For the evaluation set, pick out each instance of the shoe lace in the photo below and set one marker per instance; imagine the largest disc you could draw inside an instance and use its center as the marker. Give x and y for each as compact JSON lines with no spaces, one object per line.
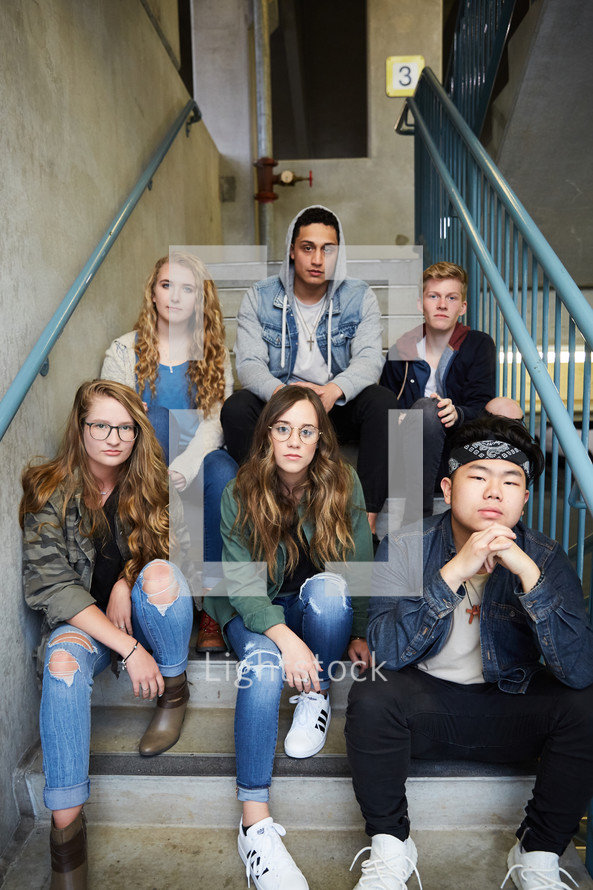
{"x":546,"y":877}
{"x":379,"y":868}
{"x":268,"y":853}
{"x":307,"y":706}
{"x":208,"y":625}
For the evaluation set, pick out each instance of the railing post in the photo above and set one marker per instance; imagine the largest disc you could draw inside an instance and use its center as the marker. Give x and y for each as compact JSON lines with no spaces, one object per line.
{"x":473,"y":271}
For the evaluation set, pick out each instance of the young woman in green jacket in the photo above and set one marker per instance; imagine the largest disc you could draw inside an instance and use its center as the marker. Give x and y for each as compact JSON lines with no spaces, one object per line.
{"x":292,"y":521}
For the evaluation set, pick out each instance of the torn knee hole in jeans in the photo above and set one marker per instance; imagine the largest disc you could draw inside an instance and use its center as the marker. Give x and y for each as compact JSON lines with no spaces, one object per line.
{"x":63,"y":666}
{"x":160,"y":585}
{"x":252,"y":663}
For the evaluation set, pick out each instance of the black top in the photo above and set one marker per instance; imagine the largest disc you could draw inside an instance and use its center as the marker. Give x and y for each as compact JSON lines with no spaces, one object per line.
{"x":304,"y":568}
{"x":108,"y":560}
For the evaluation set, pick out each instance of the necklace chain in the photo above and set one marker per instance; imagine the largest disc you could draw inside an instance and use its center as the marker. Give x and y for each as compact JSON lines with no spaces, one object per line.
{"x":311,"y":332}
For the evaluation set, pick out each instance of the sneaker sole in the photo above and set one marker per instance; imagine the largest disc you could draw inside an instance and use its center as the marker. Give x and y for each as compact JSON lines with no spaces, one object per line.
{"x":316,"y":750}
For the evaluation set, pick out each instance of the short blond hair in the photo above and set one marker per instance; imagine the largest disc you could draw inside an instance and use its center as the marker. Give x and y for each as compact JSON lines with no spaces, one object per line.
{"x":444,"y":270}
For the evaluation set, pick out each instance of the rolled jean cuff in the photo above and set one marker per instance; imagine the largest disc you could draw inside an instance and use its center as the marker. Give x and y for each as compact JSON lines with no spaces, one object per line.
{"x":173,"y":670}
{"x":64,"y":798}
{"x":261,"y":795}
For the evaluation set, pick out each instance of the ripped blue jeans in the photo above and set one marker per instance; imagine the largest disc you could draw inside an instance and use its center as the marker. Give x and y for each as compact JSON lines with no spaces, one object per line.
{"x":321,"y":615}
{"x":65,"y":716}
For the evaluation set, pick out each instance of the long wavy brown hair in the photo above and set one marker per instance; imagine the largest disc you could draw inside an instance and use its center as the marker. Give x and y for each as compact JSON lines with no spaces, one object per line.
{"x":267,"y":514}
{"x":143,"y":505}
{"x":205,"y":376}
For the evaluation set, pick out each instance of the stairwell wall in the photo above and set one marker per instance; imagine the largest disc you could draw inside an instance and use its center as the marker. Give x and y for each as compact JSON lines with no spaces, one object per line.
{"x":88,"y":91}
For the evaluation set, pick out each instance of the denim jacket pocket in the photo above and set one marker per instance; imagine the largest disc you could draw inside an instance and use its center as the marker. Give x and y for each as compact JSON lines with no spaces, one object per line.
{"x":271,"y":335}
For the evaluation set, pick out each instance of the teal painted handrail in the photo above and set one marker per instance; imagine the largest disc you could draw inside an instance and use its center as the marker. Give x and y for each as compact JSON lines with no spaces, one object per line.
{"x":481,"y":32}
{"x":569,"y":438}
{"x":34,"y":362}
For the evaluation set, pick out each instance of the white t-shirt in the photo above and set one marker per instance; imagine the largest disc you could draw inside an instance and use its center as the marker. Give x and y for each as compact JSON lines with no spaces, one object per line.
{"x":460,"y":659}
{"x":431,"y":383}
{"x":310,"y":364}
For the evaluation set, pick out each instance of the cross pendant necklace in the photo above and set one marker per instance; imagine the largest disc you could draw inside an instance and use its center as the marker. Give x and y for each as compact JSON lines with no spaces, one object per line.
{"x":474,"y":610}
{"x":311,"y":331}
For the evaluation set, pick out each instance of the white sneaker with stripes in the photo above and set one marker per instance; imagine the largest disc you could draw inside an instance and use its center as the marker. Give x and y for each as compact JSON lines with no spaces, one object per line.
{"x":268,"y":864}
{"x":310,"y":723}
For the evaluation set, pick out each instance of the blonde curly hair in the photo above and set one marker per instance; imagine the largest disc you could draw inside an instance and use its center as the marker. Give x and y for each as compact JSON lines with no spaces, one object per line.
{"x":206,"y":376}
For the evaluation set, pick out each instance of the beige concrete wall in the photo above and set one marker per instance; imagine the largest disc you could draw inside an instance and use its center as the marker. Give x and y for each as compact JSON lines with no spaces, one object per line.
{"x":87,"y":93}
{"x":373,"y":196}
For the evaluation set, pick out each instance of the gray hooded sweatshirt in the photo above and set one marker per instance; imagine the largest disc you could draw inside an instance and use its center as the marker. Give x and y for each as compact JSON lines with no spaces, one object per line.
{"x":348,"y":333}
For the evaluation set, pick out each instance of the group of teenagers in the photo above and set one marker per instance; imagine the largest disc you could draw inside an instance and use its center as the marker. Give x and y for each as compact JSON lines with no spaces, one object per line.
{"x":467,"y":629}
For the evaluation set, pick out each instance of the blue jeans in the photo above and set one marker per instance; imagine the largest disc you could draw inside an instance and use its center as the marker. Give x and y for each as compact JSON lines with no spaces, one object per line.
{"x":65,"y":716}
{"x":321,"y":615}
{"x":201,"y":499}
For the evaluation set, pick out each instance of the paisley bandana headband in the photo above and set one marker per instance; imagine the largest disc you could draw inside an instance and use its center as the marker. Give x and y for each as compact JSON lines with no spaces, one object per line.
{"x":489,"y":449}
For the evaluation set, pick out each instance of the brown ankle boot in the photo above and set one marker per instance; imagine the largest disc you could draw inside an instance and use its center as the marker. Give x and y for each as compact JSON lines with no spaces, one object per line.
{"x":165,"y":727}
{"x":68,"y":855}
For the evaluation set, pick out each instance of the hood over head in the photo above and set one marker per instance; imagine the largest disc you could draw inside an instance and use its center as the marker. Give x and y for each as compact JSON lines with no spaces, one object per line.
{"x":286,"y":273}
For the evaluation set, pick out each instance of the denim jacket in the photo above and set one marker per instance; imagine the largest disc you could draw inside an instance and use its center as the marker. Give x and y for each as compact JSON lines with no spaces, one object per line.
{"x":411,"y":609}
{"x":349,"y":334}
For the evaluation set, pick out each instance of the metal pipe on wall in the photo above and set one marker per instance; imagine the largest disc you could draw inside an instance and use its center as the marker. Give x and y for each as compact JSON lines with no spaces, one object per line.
{"x":263,"y":92}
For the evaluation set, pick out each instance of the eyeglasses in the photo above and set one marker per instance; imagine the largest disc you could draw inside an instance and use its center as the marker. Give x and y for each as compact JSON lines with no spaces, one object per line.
{"x":283,"y":431}
{"x":127,"y":432}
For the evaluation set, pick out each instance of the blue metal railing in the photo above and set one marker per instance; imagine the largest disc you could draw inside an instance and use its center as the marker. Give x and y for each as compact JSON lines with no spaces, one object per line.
{"x":37,"y":358}
{"x":521,"y":294}
{"x":481,"y":32}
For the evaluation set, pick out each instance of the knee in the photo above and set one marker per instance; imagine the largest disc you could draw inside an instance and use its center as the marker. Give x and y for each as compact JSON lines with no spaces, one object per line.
{"x":240,"y":408}
{"x":431,"y":422}
{"x":159,"y":583}
{"x":261,"y":664}
{"x":62,"y":664}
{"x":326,"y":592}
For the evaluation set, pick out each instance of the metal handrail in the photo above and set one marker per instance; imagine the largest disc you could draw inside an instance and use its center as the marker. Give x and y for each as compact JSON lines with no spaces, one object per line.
{"x":555,"y":270}
{"x":556,"y":410}
{"x":34,"y":362}
{"x":481,"y":34}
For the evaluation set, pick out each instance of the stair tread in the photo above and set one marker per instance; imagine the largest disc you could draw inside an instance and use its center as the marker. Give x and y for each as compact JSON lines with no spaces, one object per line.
{"x":176,"y":858}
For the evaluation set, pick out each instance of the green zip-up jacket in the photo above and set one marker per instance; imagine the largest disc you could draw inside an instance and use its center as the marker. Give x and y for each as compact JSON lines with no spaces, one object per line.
{"x":247,"y":589}
{"x":58,"y":560}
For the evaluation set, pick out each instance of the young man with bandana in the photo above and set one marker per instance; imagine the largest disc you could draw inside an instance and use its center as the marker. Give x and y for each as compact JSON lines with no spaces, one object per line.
{"x":480,"y":630}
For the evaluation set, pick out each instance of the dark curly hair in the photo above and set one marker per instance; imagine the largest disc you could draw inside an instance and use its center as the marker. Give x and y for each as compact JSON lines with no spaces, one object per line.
{"x":316,"y":215}
{"x":505,"y":430}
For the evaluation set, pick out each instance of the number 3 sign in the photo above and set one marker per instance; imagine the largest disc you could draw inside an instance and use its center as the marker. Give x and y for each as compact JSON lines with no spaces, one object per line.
{"x":402,"y":74}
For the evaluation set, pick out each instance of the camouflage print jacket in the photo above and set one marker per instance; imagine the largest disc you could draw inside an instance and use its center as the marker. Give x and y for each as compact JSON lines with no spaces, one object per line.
{"x":58,"y":560}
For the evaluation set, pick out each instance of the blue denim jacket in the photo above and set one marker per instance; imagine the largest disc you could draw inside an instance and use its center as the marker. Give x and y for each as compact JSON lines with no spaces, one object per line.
{"x":411,"y":609}
{"x":267,"y":337}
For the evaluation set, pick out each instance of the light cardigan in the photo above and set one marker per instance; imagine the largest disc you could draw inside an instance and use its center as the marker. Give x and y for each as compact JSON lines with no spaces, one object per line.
{"x":120,"y":365}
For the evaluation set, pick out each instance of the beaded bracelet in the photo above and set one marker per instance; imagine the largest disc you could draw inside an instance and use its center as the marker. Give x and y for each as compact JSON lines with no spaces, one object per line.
{"x":124,"y":660}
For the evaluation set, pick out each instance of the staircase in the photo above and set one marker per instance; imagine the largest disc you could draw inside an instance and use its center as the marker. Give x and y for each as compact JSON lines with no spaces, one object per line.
{"x":170,"y":822}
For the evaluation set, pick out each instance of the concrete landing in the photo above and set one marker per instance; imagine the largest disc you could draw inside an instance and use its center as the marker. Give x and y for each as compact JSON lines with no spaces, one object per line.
{"x":177,"y":859}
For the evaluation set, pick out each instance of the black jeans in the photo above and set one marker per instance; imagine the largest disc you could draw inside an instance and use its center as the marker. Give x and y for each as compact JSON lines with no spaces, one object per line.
{"x":434,"y":451}
{"x":412,"y":714}
{"x":364,"y":419}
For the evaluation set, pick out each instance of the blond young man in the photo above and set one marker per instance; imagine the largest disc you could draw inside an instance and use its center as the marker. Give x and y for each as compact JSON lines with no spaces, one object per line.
{"x":442,"y":368}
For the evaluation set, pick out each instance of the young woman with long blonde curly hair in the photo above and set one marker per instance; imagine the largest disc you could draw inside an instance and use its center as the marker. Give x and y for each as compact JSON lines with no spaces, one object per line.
{"x":97,"y":528}
{"x":177,"y":361}
{"x":295,"y":506}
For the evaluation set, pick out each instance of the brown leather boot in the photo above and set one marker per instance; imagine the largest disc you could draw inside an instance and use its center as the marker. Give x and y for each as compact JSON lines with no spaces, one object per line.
{"x":68,"y":855}
{"x":210,"y":638}
{"x":165,"y":727}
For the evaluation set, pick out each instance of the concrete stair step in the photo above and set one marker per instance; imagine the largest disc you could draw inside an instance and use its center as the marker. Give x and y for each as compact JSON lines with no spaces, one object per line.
{"x":168,"y":858}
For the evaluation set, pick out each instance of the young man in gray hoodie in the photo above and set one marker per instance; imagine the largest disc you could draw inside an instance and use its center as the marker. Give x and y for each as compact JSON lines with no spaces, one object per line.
{"x":314,"y":326}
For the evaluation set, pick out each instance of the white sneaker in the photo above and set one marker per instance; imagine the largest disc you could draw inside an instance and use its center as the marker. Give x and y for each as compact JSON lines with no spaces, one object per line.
{"x":390,"y":864}
{"x":310,"y":723}
{"x":267,"y":861}
{"x":535,"y":871}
